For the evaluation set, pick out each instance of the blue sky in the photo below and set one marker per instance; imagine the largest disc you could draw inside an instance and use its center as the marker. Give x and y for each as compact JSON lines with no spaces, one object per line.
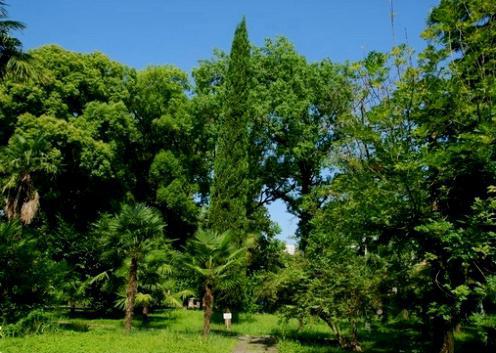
{"x":181,"y":32}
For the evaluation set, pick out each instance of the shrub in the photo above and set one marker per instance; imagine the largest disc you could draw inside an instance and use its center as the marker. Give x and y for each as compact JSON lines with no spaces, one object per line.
{"x":36,"y":322}
{"x":485,"y":326}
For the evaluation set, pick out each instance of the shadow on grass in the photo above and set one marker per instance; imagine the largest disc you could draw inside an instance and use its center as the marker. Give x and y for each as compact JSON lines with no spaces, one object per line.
{"x":225,"y":333}
{"x":74,"y":326}
{"x":93,"y":315}
{"x":83,"y":321}
{"x":268,"y":341}
{"x":400,"y":336}
{"x":310,"y":341}
{"x":469,"y":341}
{"x":406,"y":336}
{"x":161,"y":319}
{"x":392,"y":337}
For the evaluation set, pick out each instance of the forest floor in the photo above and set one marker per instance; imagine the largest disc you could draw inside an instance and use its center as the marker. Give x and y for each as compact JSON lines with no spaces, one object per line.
{"x":256,"y":344}
{"x":179,"y":331}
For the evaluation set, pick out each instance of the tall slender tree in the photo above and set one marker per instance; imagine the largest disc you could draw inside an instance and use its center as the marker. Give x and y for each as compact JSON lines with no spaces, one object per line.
{"x":456,"y":123}
{"x":231,"y":166}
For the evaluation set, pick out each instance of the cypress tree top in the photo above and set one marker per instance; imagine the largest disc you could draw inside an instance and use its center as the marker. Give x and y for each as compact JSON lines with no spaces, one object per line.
{"x":230,"y":185}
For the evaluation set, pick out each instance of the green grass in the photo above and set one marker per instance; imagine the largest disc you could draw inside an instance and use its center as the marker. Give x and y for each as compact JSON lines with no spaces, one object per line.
{"x":180,"y":332}
{"x":169,"y":332}
{"x":166,"y":332}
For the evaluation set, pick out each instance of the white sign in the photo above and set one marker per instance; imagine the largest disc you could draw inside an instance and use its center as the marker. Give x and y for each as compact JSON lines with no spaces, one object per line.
{"x":227,"y":316}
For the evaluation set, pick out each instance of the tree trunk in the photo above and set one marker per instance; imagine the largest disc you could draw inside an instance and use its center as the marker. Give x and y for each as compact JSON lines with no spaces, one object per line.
{"x":145,"y":312}
{"x":354,"y":343}
{"x":335,"y":329}
{"x":23,"y":202}
{"x":448,"y":345}
{"x":72,"y":306}
{"x":208,"y":302}
{"x":132,"y":288}
{"x":444,"y":338}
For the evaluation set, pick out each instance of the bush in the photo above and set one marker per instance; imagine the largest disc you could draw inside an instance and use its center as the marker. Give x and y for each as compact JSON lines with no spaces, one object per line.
{"x":485,"y":326}
{"x":36,"y":322}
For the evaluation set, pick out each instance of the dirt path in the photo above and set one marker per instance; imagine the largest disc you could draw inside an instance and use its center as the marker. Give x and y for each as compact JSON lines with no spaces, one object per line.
{"x":256,"y":344}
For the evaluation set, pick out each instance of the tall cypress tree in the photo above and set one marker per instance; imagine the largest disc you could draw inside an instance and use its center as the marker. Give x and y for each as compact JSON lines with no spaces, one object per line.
{"x":231,"y":167}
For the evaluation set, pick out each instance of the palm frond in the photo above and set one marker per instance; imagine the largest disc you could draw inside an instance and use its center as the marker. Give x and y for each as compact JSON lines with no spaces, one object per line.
{"x":9,"y":25}
{"x":143,"y":299}
{"x":9,"y":231}
{"x":120,"y":302}
{"x":165,"y":269}
{"x":103,"y":276}
{"x":3,"y":10}
{"x":176,"y":299}
{"x":20,"y":67}
{"x":213,"y":255}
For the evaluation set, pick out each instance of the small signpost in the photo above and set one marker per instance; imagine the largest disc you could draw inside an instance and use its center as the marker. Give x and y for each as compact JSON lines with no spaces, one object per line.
{"x":227,"y":320}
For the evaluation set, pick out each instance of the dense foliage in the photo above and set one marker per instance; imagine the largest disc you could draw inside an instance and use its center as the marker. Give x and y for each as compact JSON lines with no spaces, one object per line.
{"x":125,"y":188}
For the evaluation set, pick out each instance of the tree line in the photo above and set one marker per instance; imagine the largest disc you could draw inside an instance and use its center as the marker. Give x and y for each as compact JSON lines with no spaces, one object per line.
{"x":127,"y":187}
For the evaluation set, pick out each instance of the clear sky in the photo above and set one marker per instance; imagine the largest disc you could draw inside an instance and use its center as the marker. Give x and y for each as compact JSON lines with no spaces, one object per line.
{"x":181,"y":32}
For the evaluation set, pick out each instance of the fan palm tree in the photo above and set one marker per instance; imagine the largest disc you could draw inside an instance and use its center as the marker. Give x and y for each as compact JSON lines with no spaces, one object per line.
{"x":19,"y":162}
{"x":132,"y":232}
{"x":156,"y":285}
{"x":157,"y":281}
{"x":12,"y":58}
{"x":213,"y":256}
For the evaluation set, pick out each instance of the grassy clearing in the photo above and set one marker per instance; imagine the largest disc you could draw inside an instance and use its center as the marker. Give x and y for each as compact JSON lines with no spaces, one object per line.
{"x":166,"y":332}
{"x":180,"y":332}
{"x":169,"y":332}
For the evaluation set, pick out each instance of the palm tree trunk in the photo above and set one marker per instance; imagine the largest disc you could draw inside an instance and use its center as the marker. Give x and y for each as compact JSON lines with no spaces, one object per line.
{"x":208,"y":301}
{"x":132,"y":288}
{"x":24,"y":202}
